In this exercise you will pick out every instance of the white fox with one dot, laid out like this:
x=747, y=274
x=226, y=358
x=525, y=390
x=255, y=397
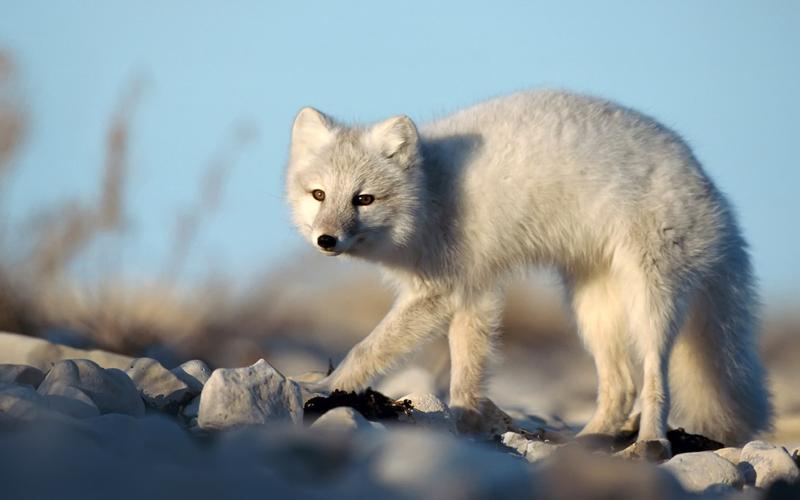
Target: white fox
x=653, y=261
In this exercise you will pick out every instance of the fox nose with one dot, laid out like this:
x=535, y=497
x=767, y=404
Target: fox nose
x=326, y=241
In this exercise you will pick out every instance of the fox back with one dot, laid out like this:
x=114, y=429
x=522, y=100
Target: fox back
x=535, y=177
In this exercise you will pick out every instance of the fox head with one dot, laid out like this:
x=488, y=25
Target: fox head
x=354, y=190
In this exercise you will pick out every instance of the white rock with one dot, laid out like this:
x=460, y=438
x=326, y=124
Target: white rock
x=111, y=390
x=21, y=402
x=159, y=387
x=119, y=457
x=418, y=463
x=532, y=450
x=516, y=441
x=145, y=442
x=342, y=419
x=429, y=412
x=248, y=396
x=750, y=492
x=698, y=471
x=731, y=454
x=71, y=401
x=770, y=463
x=539, y=450
x=194, y=374
x=578, y=473
x=21, y=374
x=24, y=350
x=721, y=491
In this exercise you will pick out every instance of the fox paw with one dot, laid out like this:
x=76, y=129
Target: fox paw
x=486, y=421
x=468, y=420
x=652, y=450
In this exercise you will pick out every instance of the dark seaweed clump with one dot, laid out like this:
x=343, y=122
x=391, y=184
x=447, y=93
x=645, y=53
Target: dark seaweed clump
x=371, y=404
x=680, y=440
x=683, y=442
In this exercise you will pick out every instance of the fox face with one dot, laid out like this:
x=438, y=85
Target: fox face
x=354, y=190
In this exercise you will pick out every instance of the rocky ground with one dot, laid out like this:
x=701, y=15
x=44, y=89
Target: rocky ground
x=93, y=424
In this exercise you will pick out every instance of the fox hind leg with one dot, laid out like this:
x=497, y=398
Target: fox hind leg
x=656, y=304
x=601, y=319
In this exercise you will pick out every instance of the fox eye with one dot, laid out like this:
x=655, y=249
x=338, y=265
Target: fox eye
x=363, y=199
x=318, y=194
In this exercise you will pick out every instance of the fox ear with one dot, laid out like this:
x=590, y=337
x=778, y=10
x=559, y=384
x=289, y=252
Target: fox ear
x=395, y=138
x=311, y=130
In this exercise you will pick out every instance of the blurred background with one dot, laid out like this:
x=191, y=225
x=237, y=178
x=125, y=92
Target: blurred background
x=142, y=147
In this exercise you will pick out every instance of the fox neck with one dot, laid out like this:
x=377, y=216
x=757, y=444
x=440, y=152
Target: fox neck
x=425, y=252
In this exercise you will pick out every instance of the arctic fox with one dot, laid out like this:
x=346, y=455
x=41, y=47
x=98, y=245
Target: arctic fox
x=656, y=269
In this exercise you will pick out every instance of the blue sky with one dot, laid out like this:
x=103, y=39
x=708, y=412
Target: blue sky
x=725, y=74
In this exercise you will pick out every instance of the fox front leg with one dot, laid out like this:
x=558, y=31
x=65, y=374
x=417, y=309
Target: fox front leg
x=471, y=337
x=413, y=320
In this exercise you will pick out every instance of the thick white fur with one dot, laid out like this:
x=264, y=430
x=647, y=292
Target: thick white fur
x=656, y=269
